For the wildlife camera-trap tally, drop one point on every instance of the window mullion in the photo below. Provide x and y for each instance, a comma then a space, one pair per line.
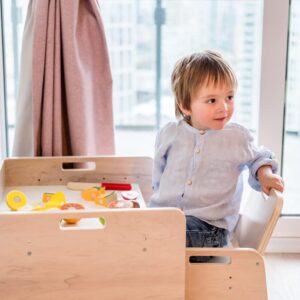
273, 75
3, 124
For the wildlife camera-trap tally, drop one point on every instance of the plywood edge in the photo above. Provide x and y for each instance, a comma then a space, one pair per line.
273, 221
50, 171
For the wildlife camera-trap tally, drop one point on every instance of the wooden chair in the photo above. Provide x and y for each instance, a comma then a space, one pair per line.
238, 272
258, 220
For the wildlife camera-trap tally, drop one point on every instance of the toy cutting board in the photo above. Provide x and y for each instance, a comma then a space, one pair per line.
136, 254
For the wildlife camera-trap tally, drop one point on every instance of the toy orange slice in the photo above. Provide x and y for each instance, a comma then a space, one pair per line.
70, 206
92, 193
106, 198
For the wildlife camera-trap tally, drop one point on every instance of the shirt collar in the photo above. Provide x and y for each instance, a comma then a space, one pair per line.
195, 130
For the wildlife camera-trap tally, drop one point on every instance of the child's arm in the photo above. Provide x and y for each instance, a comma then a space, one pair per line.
269, 180
158, 164
262, 167
164, 139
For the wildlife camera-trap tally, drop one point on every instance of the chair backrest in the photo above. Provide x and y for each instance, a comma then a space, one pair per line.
258, 219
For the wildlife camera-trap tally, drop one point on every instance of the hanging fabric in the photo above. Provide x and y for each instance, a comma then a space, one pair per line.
71, 80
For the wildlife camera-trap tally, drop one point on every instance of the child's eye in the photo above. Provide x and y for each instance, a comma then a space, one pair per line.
210, 101
230, 98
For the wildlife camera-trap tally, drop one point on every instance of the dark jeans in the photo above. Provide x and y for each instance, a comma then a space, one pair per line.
202, 234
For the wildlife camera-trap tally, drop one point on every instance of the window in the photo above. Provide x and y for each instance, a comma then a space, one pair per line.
14, 14
230, 27
2, 107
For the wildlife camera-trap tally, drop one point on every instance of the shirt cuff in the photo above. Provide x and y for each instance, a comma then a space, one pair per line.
253, 180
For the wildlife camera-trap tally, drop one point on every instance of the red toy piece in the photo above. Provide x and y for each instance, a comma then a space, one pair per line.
116, 186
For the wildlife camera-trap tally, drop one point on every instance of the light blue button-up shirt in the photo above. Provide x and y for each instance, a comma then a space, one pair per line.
200, 172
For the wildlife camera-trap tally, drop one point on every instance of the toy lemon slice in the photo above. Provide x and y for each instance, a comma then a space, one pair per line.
16, 200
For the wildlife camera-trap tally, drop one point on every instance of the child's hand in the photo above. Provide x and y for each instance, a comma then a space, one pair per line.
269, 180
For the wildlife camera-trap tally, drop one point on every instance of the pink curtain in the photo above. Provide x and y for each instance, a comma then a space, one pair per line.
71, 80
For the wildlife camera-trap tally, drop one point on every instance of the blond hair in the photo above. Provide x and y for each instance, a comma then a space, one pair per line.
195, 70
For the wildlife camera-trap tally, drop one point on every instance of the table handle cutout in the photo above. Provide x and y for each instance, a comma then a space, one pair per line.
75, 223
78, 166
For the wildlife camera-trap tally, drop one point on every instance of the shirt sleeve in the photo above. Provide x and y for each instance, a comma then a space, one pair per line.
159, 162
259, 156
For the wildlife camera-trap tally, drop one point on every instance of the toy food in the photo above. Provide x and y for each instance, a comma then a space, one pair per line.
116, 186
135, 204
129, 195
121, 204
47, 197
79, 186
52, 201
57, 199
91, 194
71, 206
124, 204
99, 196
106, 199
16, 200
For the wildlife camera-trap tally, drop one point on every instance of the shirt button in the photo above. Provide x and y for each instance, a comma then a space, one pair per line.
189, 182
197, 150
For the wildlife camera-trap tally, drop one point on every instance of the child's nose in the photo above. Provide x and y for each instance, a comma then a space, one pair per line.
223, 106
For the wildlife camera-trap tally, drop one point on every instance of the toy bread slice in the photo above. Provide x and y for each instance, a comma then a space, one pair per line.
79, 186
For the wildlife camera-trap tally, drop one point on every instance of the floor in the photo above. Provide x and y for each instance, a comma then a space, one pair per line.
283, 276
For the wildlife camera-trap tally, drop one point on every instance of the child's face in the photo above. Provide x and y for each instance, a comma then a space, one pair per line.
211, 106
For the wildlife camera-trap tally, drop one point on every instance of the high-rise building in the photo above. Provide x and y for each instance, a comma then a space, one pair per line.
234, 30
120, 23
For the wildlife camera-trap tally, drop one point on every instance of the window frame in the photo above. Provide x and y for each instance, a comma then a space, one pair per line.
3, 120
273, 75
274, 60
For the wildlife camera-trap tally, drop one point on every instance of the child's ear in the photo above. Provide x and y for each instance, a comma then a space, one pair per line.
185, 111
